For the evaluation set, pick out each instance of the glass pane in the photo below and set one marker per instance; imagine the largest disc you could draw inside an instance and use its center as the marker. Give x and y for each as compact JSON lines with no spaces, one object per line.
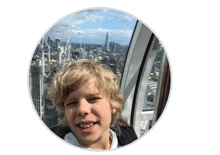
{"x":152,"y":82}
{"x":150,"y":95}
{"x":99,"y":33}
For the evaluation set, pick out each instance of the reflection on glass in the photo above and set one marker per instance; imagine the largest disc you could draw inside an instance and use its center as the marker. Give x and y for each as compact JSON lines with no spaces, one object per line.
{"x":150,"y":94}
{"x":99,"y":33}
{"x":152,"y":82}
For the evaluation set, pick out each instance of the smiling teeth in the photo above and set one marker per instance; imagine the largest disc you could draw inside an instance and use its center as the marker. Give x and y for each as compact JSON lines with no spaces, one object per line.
{"x":85,"y":125}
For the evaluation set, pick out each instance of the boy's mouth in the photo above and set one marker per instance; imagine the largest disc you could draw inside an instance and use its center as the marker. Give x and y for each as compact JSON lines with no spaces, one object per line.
{"x":86,"y":125}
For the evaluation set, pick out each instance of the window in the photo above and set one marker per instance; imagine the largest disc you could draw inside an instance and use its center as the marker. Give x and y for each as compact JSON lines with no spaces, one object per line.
{"x":152,"y":92}
{"x":153,"y":82}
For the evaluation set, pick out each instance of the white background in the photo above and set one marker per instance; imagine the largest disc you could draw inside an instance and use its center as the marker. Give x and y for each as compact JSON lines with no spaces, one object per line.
{"x":189,"y":31}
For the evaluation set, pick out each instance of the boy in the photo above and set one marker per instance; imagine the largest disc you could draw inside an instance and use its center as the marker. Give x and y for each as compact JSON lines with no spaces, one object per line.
{"x":89,"y":103}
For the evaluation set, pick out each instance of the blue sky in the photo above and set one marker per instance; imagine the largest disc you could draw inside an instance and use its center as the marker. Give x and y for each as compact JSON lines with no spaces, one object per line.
{"x":91,"y":26}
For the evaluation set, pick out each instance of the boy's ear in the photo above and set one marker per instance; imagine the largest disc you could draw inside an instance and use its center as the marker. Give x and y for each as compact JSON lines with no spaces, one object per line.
{"x":114,"y":110}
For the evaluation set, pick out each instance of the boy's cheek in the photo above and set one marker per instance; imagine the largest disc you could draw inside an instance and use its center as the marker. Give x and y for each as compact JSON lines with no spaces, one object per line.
{"x":68,"y":116}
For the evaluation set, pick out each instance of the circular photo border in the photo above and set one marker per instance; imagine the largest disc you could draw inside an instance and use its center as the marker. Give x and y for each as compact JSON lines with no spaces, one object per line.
{"x":121,"y":44}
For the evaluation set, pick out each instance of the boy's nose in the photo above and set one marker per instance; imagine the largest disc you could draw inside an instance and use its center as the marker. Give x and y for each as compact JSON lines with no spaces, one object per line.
{"x":83,"y":108}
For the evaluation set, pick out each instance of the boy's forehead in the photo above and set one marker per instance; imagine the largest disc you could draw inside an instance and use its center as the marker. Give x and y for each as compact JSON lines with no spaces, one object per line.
{"x":88,"y":88}
{"x":85,"y":90}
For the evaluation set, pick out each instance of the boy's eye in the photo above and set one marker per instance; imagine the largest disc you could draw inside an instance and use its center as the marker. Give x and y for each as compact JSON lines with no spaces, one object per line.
{"x":93,"y":99}
{"x":71,"y":103}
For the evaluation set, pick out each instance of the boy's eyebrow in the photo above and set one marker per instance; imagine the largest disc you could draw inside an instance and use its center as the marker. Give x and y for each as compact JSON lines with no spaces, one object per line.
{"x":93,"y":94}
{"x":68,"y":99}
{"x":72,"y":98}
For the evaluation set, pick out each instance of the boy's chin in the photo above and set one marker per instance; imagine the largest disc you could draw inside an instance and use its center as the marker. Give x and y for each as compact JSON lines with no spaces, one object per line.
{"x":89,"y":137}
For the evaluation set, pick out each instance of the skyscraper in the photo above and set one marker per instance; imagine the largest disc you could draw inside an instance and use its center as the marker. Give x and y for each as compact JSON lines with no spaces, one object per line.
{"x":106,"y":46}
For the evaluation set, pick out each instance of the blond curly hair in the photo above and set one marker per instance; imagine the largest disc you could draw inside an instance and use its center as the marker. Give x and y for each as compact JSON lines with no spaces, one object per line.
{"x":74,"y":74}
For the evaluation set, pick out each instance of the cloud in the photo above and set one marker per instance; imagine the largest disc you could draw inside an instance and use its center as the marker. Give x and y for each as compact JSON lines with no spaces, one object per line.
{"x":93,"y":35}
{"x":111,"y":18}
{"x":98,"y":36}
{"x":126,"y":19}
{"x":69,"y":27}
{"x":105,"y":10}
{"x":77,"y":19}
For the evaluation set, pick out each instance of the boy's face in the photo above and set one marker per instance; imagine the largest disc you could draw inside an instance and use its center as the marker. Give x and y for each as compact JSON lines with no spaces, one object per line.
{"x":88,"y":113}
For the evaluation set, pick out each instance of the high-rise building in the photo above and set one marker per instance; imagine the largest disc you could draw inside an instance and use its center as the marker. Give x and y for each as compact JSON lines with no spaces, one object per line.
{"x":36,"y":79}
{"x":39,"y":79}
{"x":106,"y":46}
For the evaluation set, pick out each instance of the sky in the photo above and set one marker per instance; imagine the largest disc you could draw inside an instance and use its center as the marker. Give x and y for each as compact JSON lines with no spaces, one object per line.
{"x":91,"y":26}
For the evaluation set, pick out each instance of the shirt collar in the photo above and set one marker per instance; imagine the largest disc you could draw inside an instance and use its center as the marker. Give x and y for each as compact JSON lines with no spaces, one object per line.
{"x":70,"y":137}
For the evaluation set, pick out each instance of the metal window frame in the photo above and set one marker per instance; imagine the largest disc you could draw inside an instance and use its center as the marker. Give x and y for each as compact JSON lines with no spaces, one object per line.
{"x":142,"y":83}
{"x":139,"y":43}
